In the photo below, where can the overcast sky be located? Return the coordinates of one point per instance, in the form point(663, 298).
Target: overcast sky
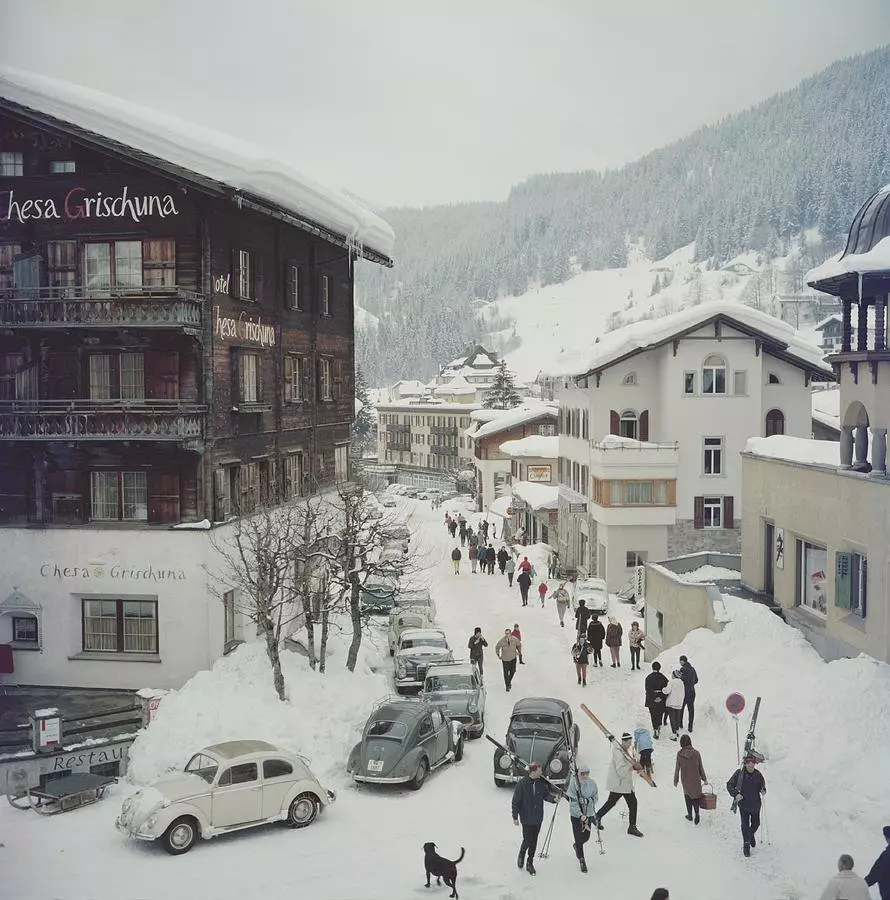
point(414, 102)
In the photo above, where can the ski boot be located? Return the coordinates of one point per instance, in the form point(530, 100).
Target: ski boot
point(530, 867)
point(634, 831)
point(520, 862)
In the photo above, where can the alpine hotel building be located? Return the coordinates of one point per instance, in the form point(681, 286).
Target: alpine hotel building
point(172, 350)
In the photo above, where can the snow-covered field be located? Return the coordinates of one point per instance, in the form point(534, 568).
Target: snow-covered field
point(824, 727)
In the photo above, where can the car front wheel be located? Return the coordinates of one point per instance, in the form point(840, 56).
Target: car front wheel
point(180, 836)
point(423, 768)
point(303, 811)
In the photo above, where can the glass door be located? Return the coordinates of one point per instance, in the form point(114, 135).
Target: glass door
point(97, 268)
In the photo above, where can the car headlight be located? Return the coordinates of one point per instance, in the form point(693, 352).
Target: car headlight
point(127, 806)
point(150, 823)
point(505, 761)
point(473, 706)
point(556, 766)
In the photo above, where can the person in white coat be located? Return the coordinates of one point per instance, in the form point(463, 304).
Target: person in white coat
point(675, 693)
point(846, 885)
point(620, 782)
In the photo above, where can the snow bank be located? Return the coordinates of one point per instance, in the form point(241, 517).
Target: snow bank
point(218, 156)
point(707, 574)
point(538, 496)
point(794, 449)
point(236, 700)
point(825, 726)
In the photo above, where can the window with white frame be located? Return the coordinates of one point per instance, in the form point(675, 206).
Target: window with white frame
point(547, 430)
point(325, 299)
point(628, 424)
point(248, 377)
point(12, 164)
point(132, 372)
point(119, 626)
point(245, 275)
point(25, 630)
point(341, 463)
point(293, 379)
point(812, 576)
point(859, 588)
point(325, 380)
point(294, 293)
point(713, 512)
point(62, 167)
point(739, 383)
point(118, 496)
point(100, 376)
point(713, 375)
point(713, 456)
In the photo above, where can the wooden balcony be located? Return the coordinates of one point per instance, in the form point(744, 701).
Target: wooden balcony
point(78, 306)
point(114, 420)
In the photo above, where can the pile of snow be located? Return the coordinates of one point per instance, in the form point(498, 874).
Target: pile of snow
point(708, 574)
point(795, 449)
point(221, 157)
point(537, 496)
point(535, 445)
point(236, 700)
point(538, 555)
point(616, 442)
point(827, 407)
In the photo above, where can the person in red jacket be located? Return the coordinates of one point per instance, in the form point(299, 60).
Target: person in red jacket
point(518, 635)
point(542, 591)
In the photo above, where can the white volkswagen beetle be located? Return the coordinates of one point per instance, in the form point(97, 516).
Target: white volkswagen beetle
point(223, 788)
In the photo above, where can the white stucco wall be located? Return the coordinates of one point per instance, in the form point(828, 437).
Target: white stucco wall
point(619, 539)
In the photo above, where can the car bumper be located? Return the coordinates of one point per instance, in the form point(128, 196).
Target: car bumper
point(511, 778)
point(379, 779)
point(409, 682)
point(137, 833)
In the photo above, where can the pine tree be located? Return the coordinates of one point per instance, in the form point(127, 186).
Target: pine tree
point(363, 423)
point(503, 393)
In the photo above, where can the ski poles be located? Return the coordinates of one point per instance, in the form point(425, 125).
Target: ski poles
point(544, 852)
point(766, 837)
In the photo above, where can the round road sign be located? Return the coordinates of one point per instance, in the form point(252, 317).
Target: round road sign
point(735, 703)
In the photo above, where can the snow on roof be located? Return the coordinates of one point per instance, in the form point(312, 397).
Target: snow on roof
point(708, 574)
point(485, 415)
point(794, 449)
point(518, 415)
point(834, 317)
point(535, 445)
point(875, 260)
point(648, 333)
point(827, 407)
point(218, 156)
point(616, 442)
point(537, 496)
point(500, 506)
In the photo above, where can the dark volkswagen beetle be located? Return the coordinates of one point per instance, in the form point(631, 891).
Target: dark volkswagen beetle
point(536, 734)
point(403, 741)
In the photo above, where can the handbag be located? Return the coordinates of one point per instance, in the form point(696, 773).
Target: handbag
point(708, 797)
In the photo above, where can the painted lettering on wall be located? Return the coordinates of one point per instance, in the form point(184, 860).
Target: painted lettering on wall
point(87, 758)
point(78, 204)
point(244, 328)
point(116, 572)
point(221, 284)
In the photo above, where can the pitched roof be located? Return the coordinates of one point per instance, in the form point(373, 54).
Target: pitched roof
point(518, 415)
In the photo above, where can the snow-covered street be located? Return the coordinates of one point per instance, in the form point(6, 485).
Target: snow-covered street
point(824, 727)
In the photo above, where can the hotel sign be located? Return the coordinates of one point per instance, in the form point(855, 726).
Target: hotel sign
point(116, 572)
point(538, 473)
point(79, 203)
point(244, 330)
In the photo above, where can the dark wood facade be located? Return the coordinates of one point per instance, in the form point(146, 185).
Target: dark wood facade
point(167, 354)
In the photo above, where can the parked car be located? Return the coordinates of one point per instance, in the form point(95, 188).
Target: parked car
point(595, 594)
point(388, 502)
point(416, 597)
point(402, 618)
point(417, 650)
point(378, 595)
point(396, 533)
point(458, 689)
point(223, 788)
point(410, 492)
point(403, 741)
point(536, 734)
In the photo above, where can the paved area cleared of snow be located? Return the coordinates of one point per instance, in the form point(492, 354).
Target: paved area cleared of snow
point(824, 727)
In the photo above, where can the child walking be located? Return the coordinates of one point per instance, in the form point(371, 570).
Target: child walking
point(581, 655)
point(542, 591)
point(644, 746)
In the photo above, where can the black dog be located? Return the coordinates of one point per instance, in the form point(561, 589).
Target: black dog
point(441, 867)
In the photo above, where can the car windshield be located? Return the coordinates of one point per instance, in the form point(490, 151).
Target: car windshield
point(535, 722)
point(449, 683)
point(203, 765)
point(410, 643)
point(397, 731)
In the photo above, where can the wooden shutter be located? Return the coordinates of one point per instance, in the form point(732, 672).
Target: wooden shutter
point(305, 371)
point(163, 497)
point(337, 379)
point(290, 378)
point(698, 512)
point(843, 579)
point(63, 380)
point(256, 276)
point(644, 425)
point(728, 517)
point(614, 422)
point(162, 375)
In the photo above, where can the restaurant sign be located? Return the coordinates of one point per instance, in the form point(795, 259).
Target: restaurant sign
point(78, 203)
point(540, 474)
point(244, 329)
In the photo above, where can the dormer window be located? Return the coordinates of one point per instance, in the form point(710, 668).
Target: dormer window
point(630, 378)
point(713, 375)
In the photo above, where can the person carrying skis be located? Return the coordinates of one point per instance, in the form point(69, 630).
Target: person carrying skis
point(846, 885)
point(643, 748)
point(654, 686)
point(635, 638)
point(542, 592)
point(475, 645)
point(620, 782)
point(690, 771)
point(748, 786)
point(503, 556)
point(529, 796)
point(596, 634)
point(689, 677)
point(581, 655)
point(879, 873)
point(582, 617)
point(562, 604)
point(507, 650)
point(473, 554)
point(455, 559)
point(518, 635)
point(674, 694)
point(613, 641)
point(525, 582)
point(582, 795)
point(510, 569)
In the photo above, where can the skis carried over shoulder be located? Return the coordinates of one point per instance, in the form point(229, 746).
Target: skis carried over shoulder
point(749, 751)
point(521, 763)
point(587, 818)
point(643, 774)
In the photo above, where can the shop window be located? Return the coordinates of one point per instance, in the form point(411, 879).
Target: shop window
point(61, 265)
point(12, 165)
point(851, 582)
point(812, 565)
point(634, 558)
point(325, 380)
point(294, 293)
point(25, 630)
point(118, 496)
point(326, 297)
point(62, 167)
point(159, 262)
point(119, 626)
point(713, 376)
point(713, 456)
point(775, 422)
point(689, 382)
point(293, 379)
point(8, 252)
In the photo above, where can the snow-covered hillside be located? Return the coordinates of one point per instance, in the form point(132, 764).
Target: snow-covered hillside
point(563, 319)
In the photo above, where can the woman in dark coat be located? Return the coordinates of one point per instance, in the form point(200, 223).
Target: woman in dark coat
point(690, 772)
point(613, 641)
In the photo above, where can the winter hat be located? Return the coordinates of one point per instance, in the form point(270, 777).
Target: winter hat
point(887, 832)
point(627, 736)
point(753, 759)
point(583, 768)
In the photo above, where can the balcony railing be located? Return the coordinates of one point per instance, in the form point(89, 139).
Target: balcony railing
point(78, 306)
point(443, 450)
point(116, 420)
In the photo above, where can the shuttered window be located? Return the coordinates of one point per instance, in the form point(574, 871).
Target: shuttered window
point(326, 295)
point(293, 379)
point(159, 262)
point(248, 377)
point(163, 497)
point(325, 379)
point(8, 252)
point(293, 287)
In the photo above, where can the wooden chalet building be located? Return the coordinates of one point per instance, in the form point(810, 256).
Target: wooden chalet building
point(174, 349)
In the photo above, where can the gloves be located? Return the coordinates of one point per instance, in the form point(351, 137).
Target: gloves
point(611, 737)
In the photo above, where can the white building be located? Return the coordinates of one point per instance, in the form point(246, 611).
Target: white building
point(652, 424)
point(534, 487)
